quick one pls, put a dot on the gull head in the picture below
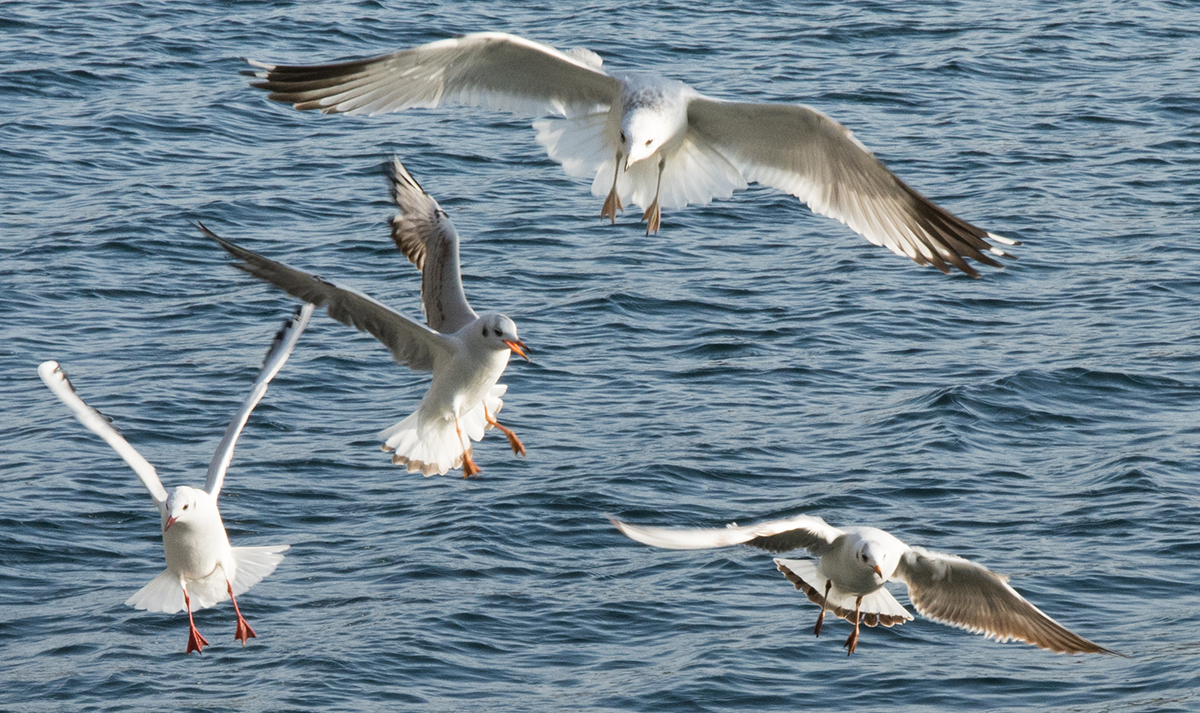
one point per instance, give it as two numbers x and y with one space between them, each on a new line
875 558
643 132
654 113
186 505
500 333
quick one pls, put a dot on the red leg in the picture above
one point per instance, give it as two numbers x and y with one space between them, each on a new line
243 629
824 599
852 642
196 642
469 467
513 442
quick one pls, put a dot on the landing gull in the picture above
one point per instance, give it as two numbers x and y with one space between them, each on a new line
853 565
466 352
203 570
647 140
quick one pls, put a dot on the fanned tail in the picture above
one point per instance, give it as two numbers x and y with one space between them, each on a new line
878 607
580 145
162 594
695 174
432 446
254 564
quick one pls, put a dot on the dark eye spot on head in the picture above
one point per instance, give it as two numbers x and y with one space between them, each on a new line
483 332
622 137
185 507
649 141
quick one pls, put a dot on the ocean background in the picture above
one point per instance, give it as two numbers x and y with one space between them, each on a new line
751 361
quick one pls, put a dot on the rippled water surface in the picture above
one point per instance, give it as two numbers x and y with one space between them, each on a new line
751 361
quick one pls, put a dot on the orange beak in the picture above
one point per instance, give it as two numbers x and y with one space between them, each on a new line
878 571
519 347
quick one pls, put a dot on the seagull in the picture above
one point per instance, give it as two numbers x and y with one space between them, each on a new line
203 570
647 140
853 565
466 352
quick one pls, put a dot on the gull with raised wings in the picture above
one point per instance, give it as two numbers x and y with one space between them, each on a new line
647 140
203 570
466 352
854 563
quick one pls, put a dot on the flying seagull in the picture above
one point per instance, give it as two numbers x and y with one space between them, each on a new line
466 352
853 564
647 140
203 570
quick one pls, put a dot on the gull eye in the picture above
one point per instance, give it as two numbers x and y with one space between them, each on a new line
649 141
483 332
185 507
622 137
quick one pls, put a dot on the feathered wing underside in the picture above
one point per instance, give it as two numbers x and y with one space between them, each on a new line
487 69
800 532
955 591
424 233
56 379
878 607
410 343
281 348
431 445
805 153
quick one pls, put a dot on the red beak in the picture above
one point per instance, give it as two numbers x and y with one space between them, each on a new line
518 346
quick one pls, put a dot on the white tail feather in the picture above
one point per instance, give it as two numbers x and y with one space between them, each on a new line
162 594
880 601
432 446
696 173
581 146
254 564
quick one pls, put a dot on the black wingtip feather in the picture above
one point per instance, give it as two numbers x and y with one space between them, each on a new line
280 335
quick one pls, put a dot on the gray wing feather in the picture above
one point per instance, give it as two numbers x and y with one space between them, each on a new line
281 348
958 592
487 69
56 380
809 155
410 343
800 532
425 235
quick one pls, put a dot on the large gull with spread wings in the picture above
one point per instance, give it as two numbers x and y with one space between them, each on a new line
647 140
854 563
202 568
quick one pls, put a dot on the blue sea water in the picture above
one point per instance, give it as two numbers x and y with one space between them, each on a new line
751 361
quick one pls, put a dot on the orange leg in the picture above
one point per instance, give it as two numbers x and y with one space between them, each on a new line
852 642
612 203
196 642
243 629
469 467
653 214
513 441
824 599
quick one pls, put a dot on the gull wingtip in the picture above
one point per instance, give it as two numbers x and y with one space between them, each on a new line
47 369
